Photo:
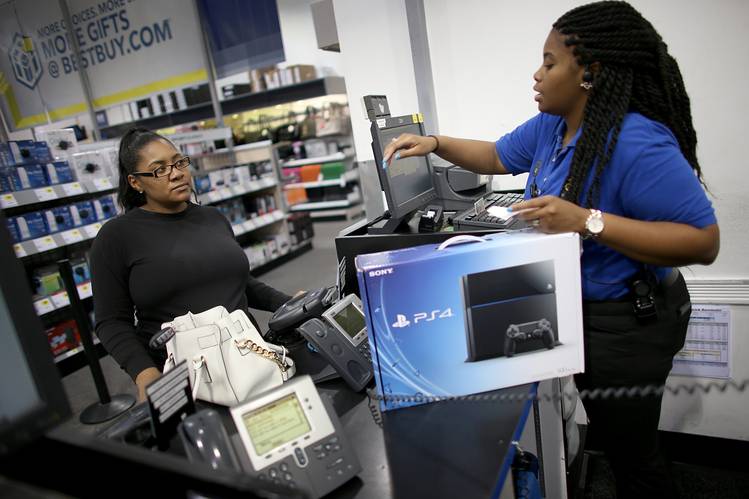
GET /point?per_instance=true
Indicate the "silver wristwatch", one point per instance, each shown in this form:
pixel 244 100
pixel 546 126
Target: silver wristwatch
pixel 593 224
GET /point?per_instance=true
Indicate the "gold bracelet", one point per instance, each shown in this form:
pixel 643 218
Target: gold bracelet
pixel 437 141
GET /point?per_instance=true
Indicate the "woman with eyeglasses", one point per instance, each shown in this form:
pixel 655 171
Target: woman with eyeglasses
pixel 163 257
pixel 611 155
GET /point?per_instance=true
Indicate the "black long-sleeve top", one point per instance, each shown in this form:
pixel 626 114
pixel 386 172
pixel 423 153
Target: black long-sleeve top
pixel 148 268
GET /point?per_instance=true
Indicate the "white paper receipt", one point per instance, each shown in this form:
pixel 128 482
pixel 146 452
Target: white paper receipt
pixel 503 212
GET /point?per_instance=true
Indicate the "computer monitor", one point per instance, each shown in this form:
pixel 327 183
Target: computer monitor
pixel 407 182
pixel 32 395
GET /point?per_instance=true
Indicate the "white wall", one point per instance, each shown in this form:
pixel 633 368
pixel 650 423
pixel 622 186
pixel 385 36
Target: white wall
pixel 483 57
pixel 299 39
pixel 376 60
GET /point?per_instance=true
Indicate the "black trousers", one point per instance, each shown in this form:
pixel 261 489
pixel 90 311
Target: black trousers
pixel 622 352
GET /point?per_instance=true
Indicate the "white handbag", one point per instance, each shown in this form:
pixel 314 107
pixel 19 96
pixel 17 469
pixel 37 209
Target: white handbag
pixel 229 358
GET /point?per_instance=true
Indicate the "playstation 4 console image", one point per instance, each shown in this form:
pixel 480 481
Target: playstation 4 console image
pixel 471 315
pixel 510 310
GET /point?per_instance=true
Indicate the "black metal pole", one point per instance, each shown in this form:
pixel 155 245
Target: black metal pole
pixel 107 407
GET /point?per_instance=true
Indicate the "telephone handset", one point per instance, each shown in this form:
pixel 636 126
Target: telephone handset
pixel 340 337
pixel 282 325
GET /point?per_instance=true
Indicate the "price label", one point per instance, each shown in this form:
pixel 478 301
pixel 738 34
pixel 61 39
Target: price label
pixel 214 196
pixel 267 182
pixel 266 219
pixel 102 184
pixel 45 243
pixel 237 229
pixel 225 193
pixel 277 215
pixel 238 190
pixel 44 306
pixel 92 230
pixel 8 201
pixel 84 290
pixel 60 300
pixel 249 225
pixel 72 236
pixel 20 252
pixel 73 189
pixel 45 193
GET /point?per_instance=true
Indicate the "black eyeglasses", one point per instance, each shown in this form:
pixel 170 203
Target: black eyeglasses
pixel 165 170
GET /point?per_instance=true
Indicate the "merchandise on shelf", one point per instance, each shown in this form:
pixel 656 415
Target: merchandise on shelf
pixel 296 195
pixel 310 173
pixel 59 172
pixel 292 175
pixel 202 183
pixel 23 152
pixel 47 281
pixel 300 228
pixel 28 176
pixel 27 226
pixel 59 219
pixel 81 270
pixel 62 143
pixel 332 170
pixel 92 165
pixel 105 207
pixel 315 148
pixel 83 213
pixel 63 337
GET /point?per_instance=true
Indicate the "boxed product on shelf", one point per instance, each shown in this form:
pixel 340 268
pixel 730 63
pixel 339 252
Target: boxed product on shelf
pixel 310 173
pixel 300 228
pixel 235 89
pixel 217 179
pixel 231 176
pixel 202 183
pixel 63 337
pixel 302 72
pixel 6 179
pixel 28 226
pixel 295 195
pixel 59 172
pixel 62 143
pixel 105 207
pixel 334 170
pixel 22 152
pixel 314 148
pixel 242 173
pixel 28 177
pixel 59 219
pixel 47 281
pixel 91 165
pixel 83 213
pixel 292 174
pixel 81 270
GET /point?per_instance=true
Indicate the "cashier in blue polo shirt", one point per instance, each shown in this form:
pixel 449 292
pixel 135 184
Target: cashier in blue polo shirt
pixel 612 155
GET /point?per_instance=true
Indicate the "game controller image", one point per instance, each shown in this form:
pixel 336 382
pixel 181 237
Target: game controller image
pixel 526 331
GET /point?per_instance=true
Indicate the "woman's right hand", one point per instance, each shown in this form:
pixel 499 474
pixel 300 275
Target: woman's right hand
pixel 143 379
pixel 407 145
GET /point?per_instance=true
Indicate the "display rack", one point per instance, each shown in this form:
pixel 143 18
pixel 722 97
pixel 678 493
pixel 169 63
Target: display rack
pixel 18 199
pixel 329 85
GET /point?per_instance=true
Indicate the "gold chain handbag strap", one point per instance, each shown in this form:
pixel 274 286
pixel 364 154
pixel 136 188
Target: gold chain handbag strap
pixel 263 352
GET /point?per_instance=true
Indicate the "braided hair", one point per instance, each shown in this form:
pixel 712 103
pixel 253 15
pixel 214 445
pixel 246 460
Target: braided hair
pixel 636 75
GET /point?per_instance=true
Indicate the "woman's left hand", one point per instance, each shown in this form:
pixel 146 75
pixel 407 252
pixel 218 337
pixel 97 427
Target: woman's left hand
pixel 553 215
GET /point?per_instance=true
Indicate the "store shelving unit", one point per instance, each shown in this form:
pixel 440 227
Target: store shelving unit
pixel 329 85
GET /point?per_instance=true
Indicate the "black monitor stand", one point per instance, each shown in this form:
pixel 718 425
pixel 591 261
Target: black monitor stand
pixel 388 224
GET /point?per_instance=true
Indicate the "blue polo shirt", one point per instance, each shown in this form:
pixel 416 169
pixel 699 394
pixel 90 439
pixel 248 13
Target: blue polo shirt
pixel 648 178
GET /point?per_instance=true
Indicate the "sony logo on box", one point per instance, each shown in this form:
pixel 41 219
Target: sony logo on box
pixel 380 272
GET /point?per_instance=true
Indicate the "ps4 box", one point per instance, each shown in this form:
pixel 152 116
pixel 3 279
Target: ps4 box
pixel 472 314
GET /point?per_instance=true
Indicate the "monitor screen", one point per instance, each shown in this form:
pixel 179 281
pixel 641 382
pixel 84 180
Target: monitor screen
pixel 350 320
pixel 33 398
pixel 276 424
pixel 407 183
pixel 409 177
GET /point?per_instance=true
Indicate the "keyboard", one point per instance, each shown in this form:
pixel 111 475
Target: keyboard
pixel 469 220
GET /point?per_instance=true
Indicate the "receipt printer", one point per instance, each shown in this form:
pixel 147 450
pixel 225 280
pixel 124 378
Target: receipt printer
pixel 456 187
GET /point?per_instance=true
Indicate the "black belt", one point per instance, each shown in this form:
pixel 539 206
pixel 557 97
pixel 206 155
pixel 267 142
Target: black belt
pixel 624 304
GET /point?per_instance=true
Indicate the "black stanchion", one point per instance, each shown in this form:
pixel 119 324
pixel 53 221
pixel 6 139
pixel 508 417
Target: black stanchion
pixel 108 407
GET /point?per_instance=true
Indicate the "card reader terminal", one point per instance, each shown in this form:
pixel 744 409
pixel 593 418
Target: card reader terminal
pixel 291 436
pixel 341 338
pixel 298 309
